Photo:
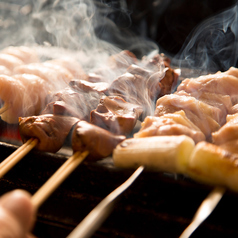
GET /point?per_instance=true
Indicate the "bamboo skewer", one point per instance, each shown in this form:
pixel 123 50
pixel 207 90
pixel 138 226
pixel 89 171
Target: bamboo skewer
pixel 16 156
pixel 4 108
pixel 96 217
pixel 57 178
pixel 205 209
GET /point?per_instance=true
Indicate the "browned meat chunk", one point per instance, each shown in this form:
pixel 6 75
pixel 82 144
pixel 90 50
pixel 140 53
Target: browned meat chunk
pixel 134 89
pixel 88 87
pixel 143 84
pixel 99 142
pixel 51 131
pixel 170 76
pixel 116 115
pixel 73 103
pixel 122 60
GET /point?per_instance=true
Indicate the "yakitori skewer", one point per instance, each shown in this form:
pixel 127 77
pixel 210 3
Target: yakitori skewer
pixel 96 217
pixel 87 141
pixel 45 133
pixel 51 132
pixel 4 108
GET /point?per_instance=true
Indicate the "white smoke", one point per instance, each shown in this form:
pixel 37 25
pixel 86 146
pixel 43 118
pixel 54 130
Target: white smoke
pixel 212 46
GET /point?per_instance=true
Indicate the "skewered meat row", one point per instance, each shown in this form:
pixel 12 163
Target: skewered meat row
pixel 58 73
pixel 207 105
pixel 206 162
pixel 25 93
pixel 51 132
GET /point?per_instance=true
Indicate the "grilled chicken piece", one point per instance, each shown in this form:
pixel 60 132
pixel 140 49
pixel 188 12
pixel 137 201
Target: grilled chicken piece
pixel 170 124
pixel 71 65
pixel 54 75
pixel 204 116
pixel 4 70
pixel 227 132
pixel 220 83
pixel 223 102
pixel 116 115
pixel 50 130
pixel 10 61
pixel 24 53
pixel 99 142
pixel 23 95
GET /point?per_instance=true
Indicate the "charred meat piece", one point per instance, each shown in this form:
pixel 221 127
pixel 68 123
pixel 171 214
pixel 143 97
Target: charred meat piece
pixel 50 130
pixel 122 60
pixel 161 63
pixel 134 89
pixel 116 115
pixel 89 87
pixel 73 103
pixel 99 142
pixel 143 84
